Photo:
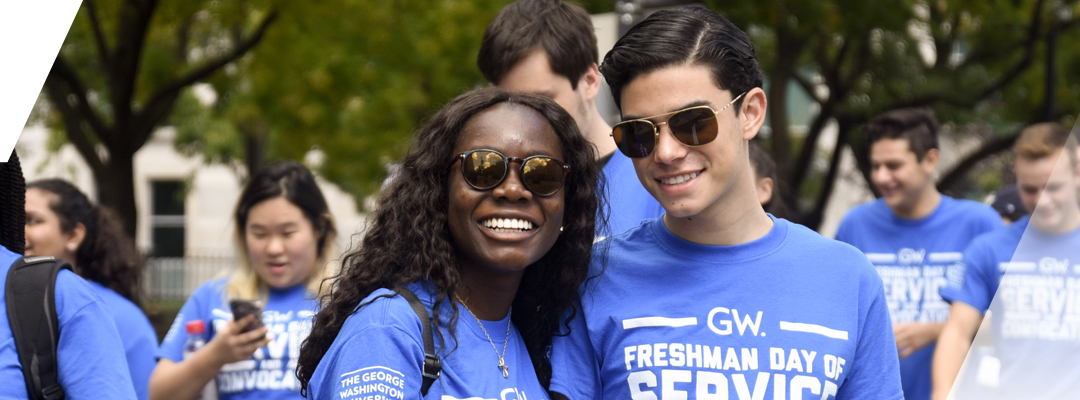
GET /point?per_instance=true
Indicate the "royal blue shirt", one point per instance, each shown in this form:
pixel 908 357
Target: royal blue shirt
pixel 790 315
pixel 1030 283
pixel 269 373
pixel 628 202
pixel 136 333
pixel 379 353
pixel 90 356
pixel 912 257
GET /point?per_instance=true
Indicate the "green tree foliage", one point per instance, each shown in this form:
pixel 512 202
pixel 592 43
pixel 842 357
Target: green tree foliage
pixel 353 79
pixel 984 61
pixel 122 69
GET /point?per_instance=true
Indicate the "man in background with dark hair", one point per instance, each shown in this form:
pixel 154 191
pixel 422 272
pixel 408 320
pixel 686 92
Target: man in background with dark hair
pixel 548 48
pixel 912 234
pixel 90 359
pixel 716 299
pixel 1027 276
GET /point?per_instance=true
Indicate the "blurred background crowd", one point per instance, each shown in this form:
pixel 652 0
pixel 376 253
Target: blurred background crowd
pixel 158 111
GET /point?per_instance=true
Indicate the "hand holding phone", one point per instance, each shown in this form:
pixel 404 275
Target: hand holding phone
pixel 243 308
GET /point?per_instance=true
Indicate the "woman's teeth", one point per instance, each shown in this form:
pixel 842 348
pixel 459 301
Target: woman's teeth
pixel 507 224
pixel 679 179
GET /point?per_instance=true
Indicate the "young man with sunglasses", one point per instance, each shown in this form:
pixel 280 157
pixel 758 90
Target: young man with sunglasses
pixel 912 235
pixel 716 300
pixel 548 48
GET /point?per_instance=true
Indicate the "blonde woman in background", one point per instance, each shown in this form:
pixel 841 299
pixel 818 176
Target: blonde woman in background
pixel 285 230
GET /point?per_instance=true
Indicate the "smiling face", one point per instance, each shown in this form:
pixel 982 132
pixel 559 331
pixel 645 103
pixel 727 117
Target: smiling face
pixel 1048 186
pixel 688 181
pixel 899 175
pixel 507 228
pixel 44 237
pixel 281 244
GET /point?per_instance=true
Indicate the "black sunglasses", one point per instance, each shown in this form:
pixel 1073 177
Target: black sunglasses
pixel 485 169
pixel 692 126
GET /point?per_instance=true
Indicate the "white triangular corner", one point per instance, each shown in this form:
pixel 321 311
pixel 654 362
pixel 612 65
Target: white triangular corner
pixel 31 33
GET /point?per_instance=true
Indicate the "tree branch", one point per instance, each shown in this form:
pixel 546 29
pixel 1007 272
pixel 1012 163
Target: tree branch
pixel 830 69
pixel 815 217
pixel 99 36
pixel 165 96
pixel 182 37
pixel 1026 60
pixel 997 145
pixel 55 89
pixel 134 26
pixel 61 72
pixel 808 87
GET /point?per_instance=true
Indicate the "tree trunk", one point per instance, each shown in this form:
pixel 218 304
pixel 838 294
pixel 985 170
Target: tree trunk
pixel 116 189
pixel 789 47
pixel 255 134
pixel 1050 97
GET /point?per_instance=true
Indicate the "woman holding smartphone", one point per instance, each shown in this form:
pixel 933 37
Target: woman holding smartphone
pixel 490 225
pixel 285 230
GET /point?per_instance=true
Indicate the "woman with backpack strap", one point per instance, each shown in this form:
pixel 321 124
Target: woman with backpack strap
pixel 490 224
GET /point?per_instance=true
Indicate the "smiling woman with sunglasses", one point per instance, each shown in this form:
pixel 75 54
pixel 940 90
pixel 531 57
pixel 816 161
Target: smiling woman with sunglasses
pixel 490 226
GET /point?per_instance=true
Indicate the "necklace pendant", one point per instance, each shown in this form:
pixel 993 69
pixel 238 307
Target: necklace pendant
pixel 505 369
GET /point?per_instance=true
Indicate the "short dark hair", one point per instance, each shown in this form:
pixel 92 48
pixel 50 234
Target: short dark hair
pixel 918 126
pixel 563 30
pixel 685 35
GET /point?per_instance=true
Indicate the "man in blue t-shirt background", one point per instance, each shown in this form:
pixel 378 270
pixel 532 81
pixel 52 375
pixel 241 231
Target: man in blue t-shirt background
pixel 715 299
pixel 912 234
pixel 548 48
pixel 1027 277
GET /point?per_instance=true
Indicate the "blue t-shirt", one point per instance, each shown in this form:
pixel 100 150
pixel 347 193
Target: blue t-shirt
pixel 136 334
pixel 90 357
pixel 1036 310
pixel 269 373
pixel 379 353
pixel 628 202
pixel 790 315
pixel 912 256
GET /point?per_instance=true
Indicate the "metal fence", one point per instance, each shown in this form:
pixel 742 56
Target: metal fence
pixel 174 278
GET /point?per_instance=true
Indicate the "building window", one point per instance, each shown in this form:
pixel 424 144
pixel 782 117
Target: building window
pixel 167 218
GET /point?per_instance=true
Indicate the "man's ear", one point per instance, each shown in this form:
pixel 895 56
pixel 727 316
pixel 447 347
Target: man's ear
pixel 930 159
pixel 590 82
pixel 752 112
pixel 764 189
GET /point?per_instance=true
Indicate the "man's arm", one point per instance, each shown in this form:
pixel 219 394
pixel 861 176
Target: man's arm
pixel 953 346
pixel 914 336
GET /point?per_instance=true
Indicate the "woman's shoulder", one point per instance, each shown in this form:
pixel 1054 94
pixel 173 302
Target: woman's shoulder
pixel 124 311
pixel 384 308
pixel 214 286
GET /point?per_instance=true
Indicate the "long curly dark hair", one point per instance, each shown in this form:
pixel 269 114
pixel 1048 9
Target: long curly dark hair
pixel 107 255
pixel 409 239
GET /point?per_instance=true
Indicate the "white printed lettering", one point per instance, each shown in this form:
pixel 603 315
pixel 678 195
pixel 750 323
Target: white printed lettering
pixel 638 378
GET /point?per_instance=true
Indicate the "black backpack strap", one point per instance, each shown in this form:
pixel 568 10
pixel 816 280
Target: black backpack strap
pixel 31 307
pixel 432 365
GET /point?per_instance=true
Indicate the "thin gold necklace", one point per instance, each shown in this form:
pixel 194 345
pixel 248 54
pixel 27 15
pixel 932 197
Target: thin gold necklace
pixel 502 363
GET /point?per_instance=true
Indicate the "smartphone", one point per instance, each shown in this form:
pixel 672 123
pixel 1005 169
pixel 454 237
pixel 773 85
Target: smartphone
pixel 243 308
